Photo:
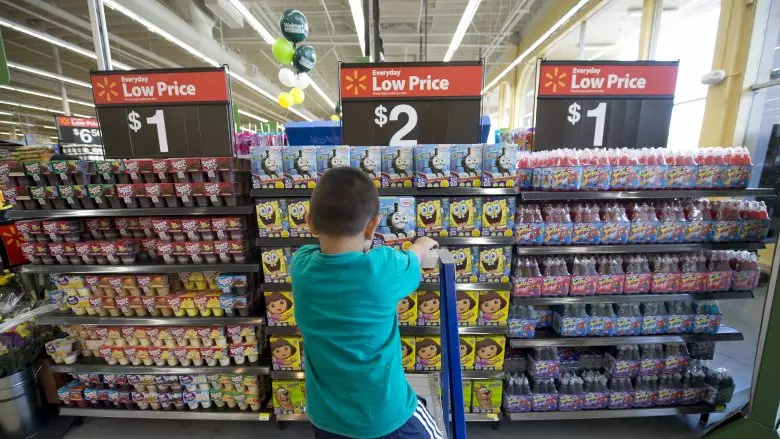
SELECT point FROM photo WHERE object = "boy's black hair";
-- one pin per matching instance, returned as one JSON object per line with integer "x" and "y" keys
{"x": 343, "y": 202}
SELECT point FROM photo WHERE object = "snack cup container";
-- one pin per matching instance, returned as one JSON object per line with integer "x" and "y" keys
{"x": 123, "y": 361}
{"x": 218, "y": 312}
{"x": 225, "y": 361}
{"x": 166, "y": 312}
{"x": 192, "y": 312}
{"x": 91, "y": 311}
{"x": 211, "y": 362}
{"x": 141, "y": 312}
{"x": 172, "y": 361}
{"x": 231, "y": 404}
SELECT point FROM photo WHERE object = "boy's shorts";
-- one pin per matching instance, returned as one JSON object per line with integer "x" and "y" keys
{"x": 420, "y": 426}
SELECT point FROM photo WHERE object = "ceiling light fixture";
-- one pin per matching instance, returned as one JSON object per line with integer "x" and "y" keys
{"x": 3, "y": 113}
{"x": 50, "y": 75}
{"x": 463, "y": 25}
{"x": 536, "y": 44}
{"x": 253, "y": 116}
{"x": 13, "y": 122}
{"x": 32, "y": 107}
{"x": 360, "y": 25}
{"x": 85, "y": 115}
{"x": 45, "y": 95}
{"x": 49, "y": 127}
{"x": 637, "y": 12}
{"x": 56, "y": 41}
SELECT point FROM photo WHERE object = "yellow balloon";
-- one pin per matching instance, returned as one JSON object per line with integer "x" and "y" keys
{"x": 285, "y": 99}
{"x": 297, "y": 95}
{"x": 334, "y": 117}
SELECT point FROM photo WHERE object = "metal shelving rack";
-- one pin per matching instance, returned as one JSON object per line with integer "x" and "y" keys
{"x": 178, "y": 415}
{"x": 252, "y": 265}
{"x": 634, "y": 248}
{"x": 14, "y": 214}
{"x": 550, "y": 339}
{"x": 66, "y": 318}
{"x": 406, "y": 330}
{"x": 694, "y": 409}
{"x": 92, "y": 365}
{"x": 627, "y": 298}
{"x": 428, "y": 286}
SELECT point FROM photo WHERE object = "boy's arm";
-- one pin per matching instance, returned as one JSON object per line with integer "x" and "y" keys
{"x": 401, "y": 268}
{"x": 422, "y": 246}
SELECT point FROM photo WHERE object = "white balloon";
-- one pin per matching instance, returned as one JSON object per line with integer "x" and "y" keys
{"x": 303, "y": 81}
{"x": 287, "y": 77}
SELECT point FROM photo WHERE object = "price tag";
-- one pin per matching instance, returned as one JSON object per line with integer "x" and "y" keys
{"x": 164, "y": 113}
{"x": 263, "y": 416}
{"x": 78, "y": 131}
{"x": 492, "y": 417}
{"x": 602, "y": 104}
{"x": 404, "y": 104}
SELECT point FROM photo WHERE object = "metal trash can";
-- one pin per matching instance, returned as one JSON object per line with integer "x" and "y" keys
{"x": 22, "y": 411}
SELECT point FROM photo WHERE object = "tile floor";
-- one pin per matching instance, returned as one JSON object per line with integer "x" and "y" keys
{"x": 737, "y": 356}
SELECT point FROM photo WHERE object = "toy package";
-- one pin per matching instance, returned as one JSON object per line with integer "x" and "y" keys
{"x": 407, "y": 352}
{"x": 286, "y": 353}
{"x": 267, "y": 167}
{"x": 495, "y": 264}
{"x": 489, "y": 352}
{"x": 428, "y": 308}
{"x": 499, "y": 165}
{"x": 275, "y": 263}
{"x": 279, "y": 308}
{"x": 467, "y": 396}
{"x": 465, "y": 165}
{"x": 464, "y": 216}
{"x": 407, "y": 310}
{"x": 432, "y": 166}
{"x": 300, "y": 167}
{"x": 428, "y": 353}
{"x": 272, "y": 218}
{"x": 493, "y": 308}
{"x": 465, "y": 263}
{"x": 296, "y": 218}
{"x": 289, "y": 397}
{"x": 466, "y": 304}
{"x": 486, "y": 396}
{"x": 467, "y": 352}
{"x": 331, "y": 156}
{"x": 397, "y": 227}
{"x": 433, "y": 216}
{"x": 369, "y": 160}
{"x": 498, "y": 216}
{"x": 397, "y": 166}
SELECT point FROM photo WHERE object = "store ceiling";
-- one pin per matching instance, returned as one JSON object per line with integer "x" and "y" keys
{"x": 497, "y": 25}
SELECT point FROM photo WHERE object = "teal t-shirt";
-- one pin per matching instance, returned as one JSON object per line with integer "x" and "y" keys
{"x": 345, "y": 305}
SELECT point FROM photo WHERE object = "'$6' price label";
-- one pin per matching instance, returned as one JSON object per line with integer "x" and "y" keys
{"x": 86, "y": 135}
{"x": 381, "y": 119}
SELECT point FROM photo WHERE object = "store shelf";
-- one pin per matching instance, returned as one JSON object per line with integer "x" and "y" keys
{"x": 397, "y": 191}
{"x": 179, "y": 415}
{"x": 642, "y": 195}
{"x": 426, "y": 286}
{"x": 14, "y": 214}
{"x": 624, "y": 298}
{"x": 250, "y": 266}
{"x": 483, "y": 417}
{"x": 549, "y": 338}
{"x": 405, "y": 330}
{"x": 284, "y": 242}
{"x": 634, "y": 248}
{"x": 481, "y": 240}
{"x": 693, "y": 409}
{"x": 293, "y": 418}
{"x": 287, "y": 375}
{"x": 93, "y": 365}
{"x": 67, "y": 318}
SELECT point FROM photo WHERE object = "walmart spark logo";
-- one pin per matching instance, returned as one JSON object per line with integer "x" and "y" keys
{"x": 355, "y": 82}
{"x": 107, "y": 89}
{"x": 555, "y": 80}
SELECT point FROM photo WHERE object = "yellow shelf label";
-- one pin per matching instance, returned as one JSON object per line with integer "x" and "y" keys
{"x": 263, "y": 416}
{"x": 492, "y": 416}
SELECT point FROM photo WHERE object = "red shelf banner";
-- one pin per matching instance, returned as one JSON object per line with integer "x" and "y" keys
{"x": 409, "y": 82}
{"x": 588, "y": 79}
{"x": 140, "y": 87}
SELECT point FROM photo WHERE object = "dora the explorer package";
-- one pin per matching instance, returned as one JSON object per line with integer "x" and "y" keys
{"x": 407, "y": 352}
{"x": 467, "y": 352}
{"x": 428, "y": 308}
{"x": 286, "y": 353}
{"x": 466, "y": 305}
{"x": 279, "y": 308}
{"x": 428, "y": 353}
{"x": 407, "y": 310}
{"x": 489, "y": 352}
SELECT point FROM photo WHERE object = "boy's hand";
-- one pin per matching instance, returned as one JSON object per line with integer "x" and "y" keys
{"x": 422, "y": 246}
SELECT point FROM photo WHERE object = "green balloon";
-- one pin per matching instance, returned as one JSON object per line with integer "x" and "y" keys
{"x": 283, "y": 50}
{"x": 294, "y": 25}
{"x": 337, "y": 110}
{"x": 304, "y": 59}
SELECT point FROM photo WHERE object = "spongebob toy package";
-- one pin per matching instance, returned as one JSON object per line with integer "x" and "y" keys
{"x": 272, "y": 218}
{"x": 486, "y": 396}
{"x": 466, "y": 165}
{"x": 407, "y": 310}
{"x": 369, "y": 160}
{"x": 275, "y": 263}
{"x": 300, "y": 167}
{"x": 289, "y": 397}
{"x": 428, "y": 308}
{"x": 428, "y": 353}
{"x": 467, "y": 352}
{"x": 267, "y": 170}
{"x": 499, "y": 165}
{"x": 489, "y": 352}
{"x": 493, "y": 308}
{"x": 285, "y": 353}
{"x": 397, "y": 227}
{"x": 465, "y": 259}
{"x": 407, "y": 352}
{"x": 397, "y": 166}
{"x": 464, "y": 216}
{"x": 330, "y": 156}
{"x": 498, "y": 216}
{"x": 296, "y": 218}
{"x": 279, "y": 308}
{"x": 495, "y": 263}
{"x": 466, "y": 304}
{"x": 433, "y": 216}
{"x": 432, "y": 166}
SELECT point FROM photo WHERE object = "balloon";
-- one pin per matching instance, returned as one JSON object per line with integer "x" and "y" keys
{"x": 303, "y": 81}
{"x": 283, "y": 50}
{"x": 285, "y": 100}
{"x": 337, "y": 110}
{"x": 294, "y": 25}
{"x": 287, "y": 77}
{"x": 304, "y": 59}
{"x": 297, "y": 95}
{"x": 335, "y": 118}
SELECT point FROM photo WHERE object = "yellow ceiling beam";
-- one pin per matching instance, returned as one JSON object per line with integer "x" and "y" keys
{"x": 647, "y": 29}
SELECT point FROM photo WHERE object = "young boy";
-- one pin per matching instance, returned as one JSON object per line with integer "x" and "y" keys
{"x": 345, "y": 304}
